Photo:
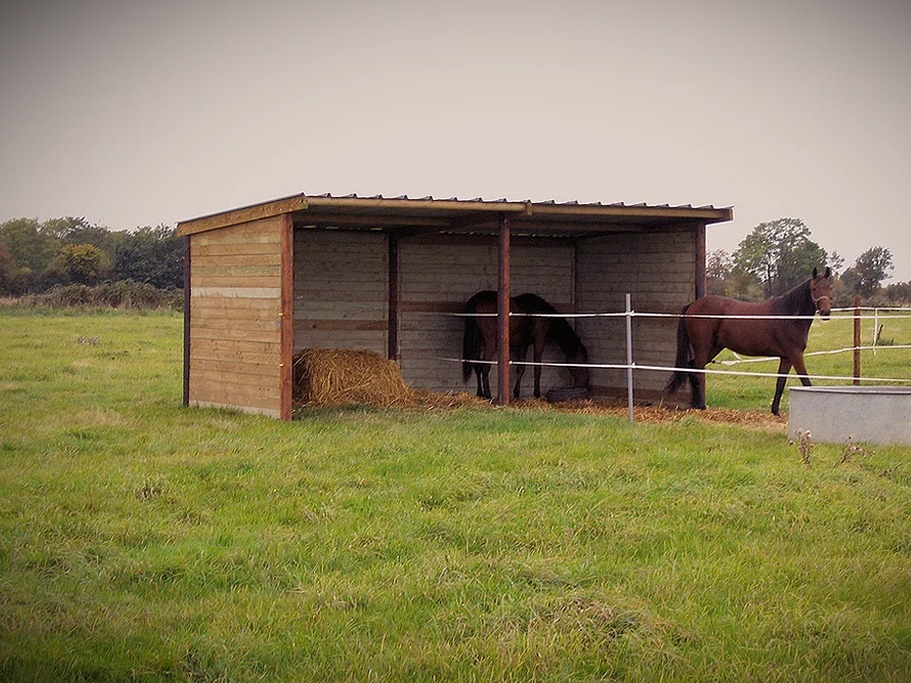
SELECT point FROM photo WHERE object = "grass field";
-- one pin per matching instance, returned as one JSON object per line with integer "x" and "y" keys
{"x": 140, "y": 540}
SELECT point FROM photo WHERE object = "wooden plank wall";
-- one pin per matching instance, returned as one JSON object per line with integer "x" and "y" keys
{"x": 235, "y": 326}
{"x": 341, "y": 286}
{"x": 438, "y": 276}
{"x": 658, "y": 270}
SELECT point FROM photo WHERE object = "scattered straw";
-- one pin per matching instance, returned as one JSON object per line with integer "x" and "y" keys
{"x": 337, "y": 377}
{"x": 653, "y": 414}
{"x": 659, "y": 414}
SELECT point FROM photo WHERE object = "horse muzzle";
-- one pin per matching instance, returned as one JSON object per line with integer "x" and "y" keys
{"x": 824, "y": 310}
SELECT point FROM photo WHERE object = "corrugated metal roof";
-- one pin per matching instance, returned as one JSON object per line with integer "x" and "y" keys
{"x": 454, "y": 214}
{"x": 503, "y": 200}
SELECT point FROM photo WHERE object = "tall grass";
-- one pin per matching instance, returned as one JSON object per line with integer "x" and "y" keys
{"x": 143, "y": 541}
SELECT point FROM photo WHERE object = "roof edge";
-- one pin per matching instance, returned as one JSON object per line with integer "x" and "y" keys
{"x": 302, "y": 202}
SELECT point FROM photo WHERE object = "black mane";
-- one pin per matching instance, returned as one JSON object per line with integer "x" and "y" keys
{"x": 796, "y": 301}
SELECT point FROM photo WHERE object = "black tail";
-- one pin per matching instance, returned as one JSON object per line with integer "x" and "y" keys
{"x": 471, "y": 347}
{"x": 684, "y": 355}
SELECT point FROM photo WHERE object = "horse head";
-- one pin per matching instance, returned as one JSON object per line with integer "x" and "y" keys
{"x": 821, "y": 292}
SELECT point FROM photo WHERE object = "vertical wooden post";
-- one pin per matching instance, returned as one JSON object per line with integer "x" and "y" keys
{"x": 857, "y": 340}
{"x": 700, "y": 260}
{"x": 186, "y": 320}
{"x": 393, "y": 285}
{"x": 503, "y": 297}
{"x": 286, "y": 319}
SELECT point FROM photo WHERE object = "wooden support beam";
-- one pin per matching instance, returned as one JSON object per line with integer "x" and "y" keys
{"x": 245, "y": 214}
{"x": 700, "y": 260}
{"x": 186, "y": 321}
{"x": 393, "y": 295}
{"x": 503, "y": 379}
{"x": 286, "y": 365}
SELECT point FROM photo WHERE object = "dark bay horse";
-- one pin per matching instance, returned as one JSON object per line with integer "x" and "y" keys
{"x": 479, "y": 342}
{"x": 700, "y": 339}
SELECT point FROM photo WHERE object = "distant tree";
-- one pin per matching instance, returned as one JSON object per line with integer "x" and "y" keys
{"x": 718, "y": 267}
{"x": 898, "y": 293}
{"x": 152, "y": 255}
{"x": 779, "y": 254}
{"x": 60, "y": 228}
{"x": 83, "y": 232}
{"x": 31, "y": 248}
{"x": 869, "y": 270}
{"x": 84, "y": 264}
{"x": 7, "y": 267}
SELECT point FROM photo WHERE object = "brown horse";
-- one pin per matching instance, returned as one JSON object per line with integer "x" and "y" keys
{"x": 700, "y": 337}
{"x": 479, "y": 342}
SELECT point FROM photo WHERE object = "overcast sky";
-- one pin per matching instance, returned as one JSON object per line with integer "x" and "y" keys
{"x": 135, "y": 113}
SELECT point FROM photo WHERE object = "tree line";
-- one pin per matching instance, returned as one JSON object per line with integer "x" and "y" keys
{"x": 780, "y": 254}
{"x": 38, "y": 256}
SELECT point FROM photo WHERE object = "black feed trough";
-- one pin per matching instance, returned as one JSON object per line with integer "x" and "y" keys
{"x": 567, "y": 394}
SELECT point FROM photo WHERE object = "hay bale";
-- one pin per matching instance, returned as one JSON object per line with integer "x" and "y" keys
{"x": 332, "y": 377}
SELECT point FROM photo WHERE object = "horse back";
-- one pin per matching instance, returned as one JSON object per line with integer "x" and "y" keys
{"x": 751, "y": 335}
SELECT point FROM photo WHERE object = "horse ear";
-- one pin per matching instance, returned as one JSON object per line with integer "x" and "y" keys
{"x": 815, "y": 274}
{"x": 828, "y": 272}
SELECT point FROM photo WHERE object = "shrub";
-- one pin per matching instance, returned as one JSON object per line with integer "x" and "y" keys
{"x": 123, "y": 294}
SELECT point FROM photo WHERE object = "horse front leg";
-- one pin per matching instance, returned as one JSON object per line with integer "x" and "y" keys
{"x": 520, "y": 355}
{"x": 538, "y": 356}
{"x": 485, "y": 393}
{"x": 801, "y": 369}
{"x": 482, "y": 370}
{"x": 784, "y": 367}
{"x": 488, "y": 351}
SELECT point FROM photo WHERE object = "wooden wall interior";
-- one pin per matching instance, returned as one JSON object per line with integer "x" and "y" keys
{"x": 437, "y": 277}
{"x": 658, "y": 271}
{"x": 235, "y": 306}
{"x": 341, "y": 290}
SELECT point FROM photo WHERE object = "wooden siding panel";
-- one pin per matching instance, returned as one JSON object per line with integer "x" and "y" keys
{"x": 260, "y": 231}
{"x": 235, "y": 331}
{"x": 341, "y": 287}
{"x": 658, "y": 271}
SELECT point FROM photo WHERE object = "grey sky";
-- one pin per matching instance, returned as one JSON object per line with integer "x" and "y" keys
{"x": 140, "y": 113}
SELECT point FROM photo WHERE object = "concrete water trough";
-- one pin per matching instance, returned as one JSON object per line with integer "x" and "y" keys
{"x": 873, "y": 414}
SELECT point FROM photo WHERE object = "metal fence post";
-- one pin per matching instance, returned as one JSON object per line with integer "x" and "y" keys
{"x": 629, "y": 357}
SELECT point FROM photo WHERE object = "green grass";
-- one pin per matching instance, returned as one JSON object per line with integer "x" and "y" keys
{"x": 140, "y": 540}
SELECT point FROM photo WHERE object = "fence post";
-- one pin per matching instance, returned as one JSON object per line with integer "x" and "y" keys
{"x": 503, "y": 299}
{"x": 856, "y": 340}
{"x": 875, "y": 328}
{"x": 629, "y": 357}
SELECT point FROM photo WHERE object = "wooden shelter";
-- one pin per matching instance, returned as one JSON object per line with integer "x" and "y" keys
{"x": 384, "y": 274}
